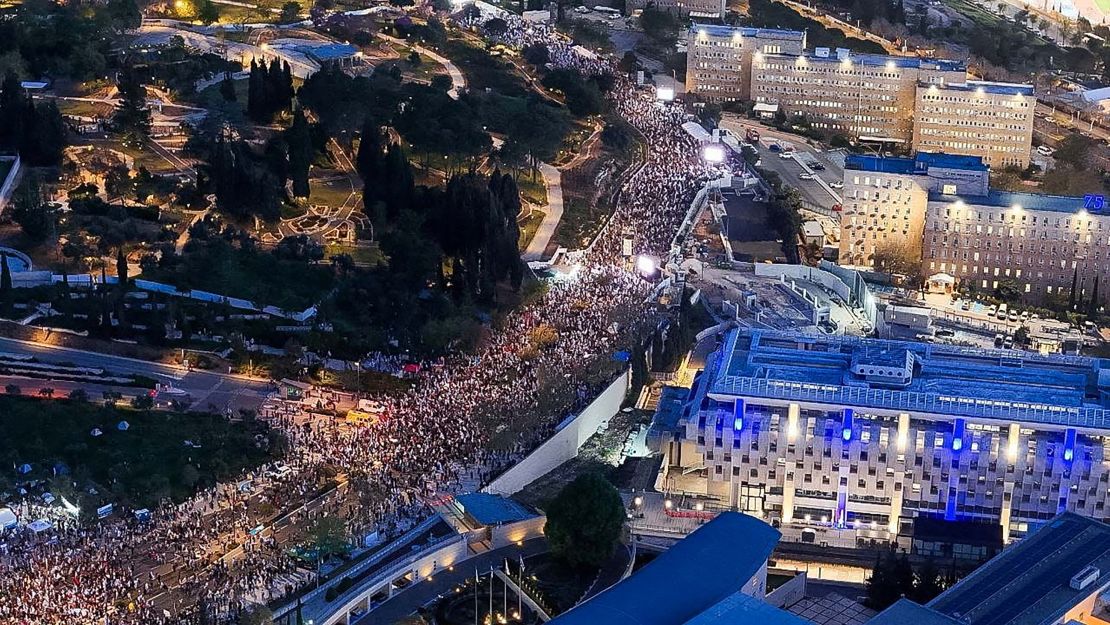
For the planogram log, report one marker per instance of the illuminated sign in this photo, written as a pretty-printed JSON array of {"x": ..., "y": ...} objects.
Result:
[{"x": 1094, "y": 203}]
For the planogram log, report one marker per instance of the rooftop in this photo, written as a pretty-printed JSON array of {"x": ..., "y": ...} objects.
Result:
[
  {"x": 946, "y": 380},
  {"x": 699, "y": 572},
  {"x": 824, "y": 55},
  {"x": 999, "y": 88},
  {"x": 1028, "y": 201},
  {"x": 1029, "y": 583},
  {"x": 715, "y": 30},
  {"x": 904, "y": 612},
  {"x": 493, "y": 509},
  {"x": 741, "y": 608},
  {"x": 919, "y": 164}
]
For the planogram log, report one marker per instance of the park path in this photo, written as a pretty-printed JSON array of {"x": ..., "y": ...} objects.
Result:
[
  {"x": 553, "y": 180},
  {"x": 458, "y": 81}
]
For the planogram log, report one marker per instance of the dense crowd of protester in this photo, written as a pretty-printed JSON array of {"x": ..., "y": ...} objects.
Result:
[{"x": 455, "y": 427}]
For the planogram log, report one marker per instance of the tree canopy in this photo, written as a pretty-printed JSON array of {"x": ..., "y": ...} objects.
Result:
[{"x": 585, "y": 520}]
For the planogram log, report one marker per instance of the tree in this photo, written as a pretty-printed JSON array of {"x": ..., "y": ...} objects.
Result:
[
  {"x": 891, "y": 579},
  {"x": 584, "y": 521},
  {"x": 208, "y": 12},
  {"x": 299, "y": 140},
  {"x": 290, "y": 12},
  {"x": 227, "y": 88},
  {"x": 34, "y": 216},
  {"x": 537, "y": 54},
  {"x": 1093, "y": 305},
  {"x": 929, "y": 582},
  {"x": 329, "y": 537},
  {"x": 132, "y": 117},
  {"x": 659, "y": 25},
  {"x": 5, "y": 278},
  {"x": 1072, "y": 292}
]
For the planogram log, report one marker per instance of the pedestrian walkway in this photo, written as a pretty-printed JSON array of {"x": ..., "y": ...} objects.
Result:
[
  {"x": 458, "y": 81},
  {"x": 553, "y": 179},
  {"x": 405, "y": 603}
]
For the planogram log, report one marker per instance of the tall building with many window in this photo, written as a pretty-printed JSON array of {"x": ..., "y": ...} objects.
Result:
[
  {"x": 862, "y": 95},
  {"x": 1036, "y": 243},
  {"x": 884, "y": 200},
  {"x": 719, "y": 58},
  {"x": 711, "y": 9},
  {"x": 988, "y": 119},
  {"x": 856, "y": 438}
]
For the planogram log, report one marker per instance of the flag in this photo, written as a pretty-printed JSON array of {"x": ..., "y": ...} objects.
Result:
[{"x": 522, "y": 565}]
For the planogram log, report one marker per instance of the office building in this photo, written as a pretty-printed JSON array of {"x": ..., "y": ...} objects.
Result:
[
  {"x": 884, "y": 200},
  {"x": 710, "y": 9},
  {"x": 870, "y": 96},
  {"x": 1057, "y": 575},
  {"x": 988, "y": 119},
  {"x": 1036, "y": 243},
  {"x": 853, "y": 439},
  {"x": 719, "y": 58}
]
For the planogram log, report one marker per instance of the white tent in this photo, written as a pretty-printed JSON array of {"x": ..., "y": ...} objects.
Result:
[
  {"x": 8, "y": 519},
  {"x": 40, "y": 526}
]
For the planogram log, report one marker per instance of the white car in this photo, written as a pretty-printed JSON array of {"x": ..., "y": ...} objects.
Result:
[
  {"x": 806, "y": 176},
  {"x": 1044, "y": 150},
  {"x": 786, "y": 155},
  {"x": 836, "y": 184}
]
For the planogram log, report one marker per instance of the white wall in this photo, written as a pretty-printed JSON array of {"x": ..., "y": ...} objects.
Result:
[{"x": 565, "y": 444}]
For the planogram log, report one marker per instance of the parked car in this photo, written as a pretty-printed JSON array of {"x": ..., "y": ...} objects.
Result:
[
  {"x": 806, "y": 176},
  {"x": 815, "y": 166},
  {"x": 836, "y": 184}
]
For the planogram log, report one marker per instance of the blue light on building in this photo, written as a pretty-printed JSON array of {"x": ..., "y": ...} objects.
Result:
[
  {"x": 958, "y": 429},
  {"x": 1069, "y": 444},
  {"x": 738, "y": 415},
  {"x": 846, "y": 433}
]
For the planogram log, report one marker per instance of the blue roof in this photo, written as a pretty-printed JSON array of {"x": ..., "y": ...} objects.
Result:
[
  {"x": 904, "y": 612},
  {"x": 746, "y": 31},
  {"x": 919, "y": 164},
  {"x": 699, "y": 572},
  {"x": 741, "y": 609},
  {"x": 329, "y": 51},
  {"x": 1008, "y": 199},
  {"x": 1029, "y": 583},
  {"x": 490, "y": 509},
  {"x": 946, "y": 380}
]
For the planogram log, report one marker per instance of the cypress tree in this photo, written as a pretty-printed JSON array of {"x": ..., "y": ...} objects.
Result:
[
  {"x": 5, "y": 275},
  {"x": 1092, "y": 307},
  {"x": 300, "y": 153},
  {"x": 1071, "y": 294}
]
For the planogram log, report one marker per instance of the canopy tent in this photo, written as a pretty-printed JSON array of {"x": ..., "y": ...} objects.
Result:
[
  {"x": 8, "y": 520},
  {"x": 40, "y": 526}
]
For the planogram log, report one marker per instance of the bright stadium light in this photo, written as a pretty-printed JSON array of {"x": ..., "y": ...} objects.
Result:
[
  {"x": 713, "y": 153},
  {"x": 645, "y": 265},
  {"x": 665, "y": 94}
]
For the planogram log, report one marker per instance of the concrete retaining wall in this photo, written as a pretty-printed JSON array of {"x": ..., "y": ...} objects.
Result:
[
  {"x": 789, "y": 593},
  {"x": 565, "y": 444}
]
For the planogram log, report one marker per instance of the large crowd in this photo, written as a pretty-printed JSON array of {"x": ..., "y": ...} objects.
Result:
[{"x": 465, "y": 420}]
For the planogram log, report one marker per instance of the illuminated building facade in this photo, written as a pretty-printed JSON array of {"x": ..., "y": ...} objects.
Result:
[
  {"x": 863, "y": 435},
  {"x": 719, "y": 58},
  {"x": 988, "y": 119}
]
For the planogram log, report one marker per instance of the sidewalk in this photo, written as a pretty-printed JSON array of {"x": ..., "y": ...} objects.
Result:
[
  {"x": 458, "y": 82},
  {"x": 553, "y": 179}
]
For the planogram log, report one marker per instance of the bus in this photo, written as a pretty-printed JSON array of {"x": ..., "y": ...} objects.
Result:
[{"x": 610, "y": 11}]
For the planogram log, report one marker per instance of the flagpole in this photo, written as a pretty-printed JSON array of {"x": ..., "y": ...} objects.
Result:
[
  {"x": 491, "y": 594},
  {"x": 505, "y": 594},
  {"x": 476, "y": 579}
]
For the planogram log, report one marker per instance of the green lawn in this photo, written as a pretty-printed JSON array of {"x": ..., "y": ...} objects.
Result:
[
  {"x": 136, "y": 467},
  {"x": 528, "y": 227}
]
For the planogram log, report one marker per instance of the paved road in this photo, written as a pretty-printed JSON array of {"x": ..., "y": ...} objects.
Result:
[
  {"x": 205, "y": 388},
  {"x": 553, "y": 179},
  {"x": 817, "y": 193},
  {"x": 458, "y": 81}
]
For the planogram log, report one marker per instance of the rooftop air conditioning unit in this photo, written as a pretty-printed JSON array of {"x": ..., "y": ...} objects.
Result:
[{"x": 1084, "y": 578}]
